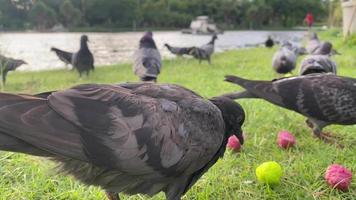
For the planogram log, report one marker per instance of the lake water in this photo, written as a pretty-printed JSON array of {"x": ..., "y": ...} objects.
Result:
[{"x": 112, "y": 48}]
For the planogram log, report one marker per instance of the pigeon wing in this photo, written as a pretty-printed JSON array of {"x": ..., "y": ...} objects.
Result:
[{"x": 135, "y": 133}]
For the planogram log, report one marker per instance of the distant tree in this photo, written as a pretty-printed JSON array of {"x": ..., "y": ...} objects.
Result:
[
  {"x": 71, "y": 16},
  {"x": 42, "y": 16}
]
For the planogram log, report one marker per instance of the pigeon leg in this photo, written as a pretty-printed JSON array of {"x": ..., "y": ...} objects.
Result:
[
  {"x": 113, "y": 196},
  {"x": 317, "y": 127},
  {"x": 209, "y": 61}
]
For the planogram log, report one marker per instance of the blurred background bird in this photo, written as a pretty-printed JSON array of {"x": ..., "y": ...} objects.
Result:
[
  {"x": 147, "y": 59},
  {"x": 269, "y": 42},
  {"x": 319, "y": 62},
  {"x": 82, "y": 60},
  {"x": 179, "y": 51},
  {"x": 9, "y": 64},
  {"x": 284, "y": 59},
  {"x": 204, "y": 52}
]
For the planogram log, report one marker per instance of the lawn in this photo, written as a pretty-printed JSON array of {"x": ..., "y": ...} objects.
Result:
[{"x": 233, "y": 177}]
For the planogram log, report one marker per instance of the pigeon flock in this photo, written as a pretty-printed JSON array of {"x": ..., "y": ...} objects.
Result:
[{"x": 146, "y": 138}]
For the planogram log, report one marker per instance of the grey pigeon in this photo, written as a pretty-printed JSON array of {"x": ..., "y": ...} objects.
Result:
[
  {"x": 9, "y": 64},
  {"x": 315, "y": 46},
  {"x": 319, "y": 62},
  {"x": 313, "y": 43},
  {"x": 284, "y": 60},
  {"x": 130, "y": 138},
  {"x": 323, "y": 98},
  {"x": 179, "y": 51},
  {"x": 147, "y": 59},
  {"x": 82, "y": 61},
  {"x": 204, "y": 52}
]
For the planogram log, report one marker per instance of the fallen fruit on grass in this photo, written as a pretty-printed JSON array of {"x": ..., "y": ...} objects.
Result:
[
  {"x": 285, "y": 139},
  {"x": 234, "y": 143},
  {"x": 338, "y": 177},
  {"x": 269, "y": 173}
]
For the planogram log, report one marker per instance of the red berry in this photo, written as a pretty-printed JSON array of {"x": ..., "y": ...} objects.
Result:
[
  {"x": 234, "y": 143},
  {"x": 285, "y": 139},
  {"x": 338, "y": 177}
]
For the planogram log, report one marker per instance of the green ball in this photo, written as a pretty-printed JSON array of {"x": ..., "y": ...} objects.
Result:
[{"x": 269, "y": 173}]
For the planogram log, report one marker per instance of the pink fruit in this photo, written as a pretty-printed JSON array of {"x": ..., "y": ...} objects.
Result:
[
  {"x": 285, "y": 139},
  {"x": 338, "y": 177},
  {"x": 234, "y": 143}
]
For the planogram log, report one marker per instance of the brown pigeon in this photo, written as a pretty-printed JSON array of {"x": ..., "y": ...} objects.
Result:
[{"x": 130, "y": 138}]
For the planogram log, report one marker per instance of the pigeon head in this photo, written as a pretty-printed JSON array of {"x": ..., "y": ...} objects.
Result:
[
  {"x": 84, "y": 42},
  {"x": 147, "y": 41},
  {"x": 84, "y": 38},
  {"x": 215, "y": 37},
  {"x": 22, "y": 62},
  {"x": 233, "y": 115}
]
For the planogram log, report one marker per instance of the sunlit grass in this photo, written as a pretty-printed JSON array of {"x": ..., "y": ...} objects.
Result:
[{"x": 32, "y": 178}]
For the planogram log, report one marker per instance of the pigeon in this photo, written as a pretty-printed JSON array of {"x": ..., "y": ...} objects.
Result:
[
  {"x": 323, "y": 98},
  {"x": 64, "y": 56},
  {"x": 126, "y": 138},
  {"x": 82, "y": 61},
  {"x": 284, "y": 60},
  {"x": 179, "y": 51},
  {"x": 147, "y": 59},
  {"x": 269, "y": 42},
  {"x": 9, "y": 64},
  {"x": 314, "y": 46},
  {"x": 313, "y": 43},
  {"x": 204, "y": 52},
  {"x": 319, "y": 62}
]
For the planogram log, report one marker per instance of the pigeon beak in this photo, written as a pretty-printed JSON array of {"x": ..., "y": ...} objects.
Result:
[{"x": 240, "y": 136}]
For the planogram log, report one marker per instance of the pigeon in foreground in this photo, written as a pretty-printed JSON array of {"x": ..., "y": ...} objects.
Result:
[
  {"x": 204, "y": 52},
  {"x": 9, "y": 64},
  {"x": 130, "y": 138},
  {"x": 323, "y": 98},
  {"x": 179, "y": 51},
  {"x": 147, "y": 59},
  {"x": 82, "y": 61},
  {"x": 320, "y": 62}
]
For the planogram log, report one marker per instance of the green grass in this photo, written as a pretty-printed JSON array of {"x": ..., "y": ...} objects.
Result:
[{"x": 233, "y": 177}]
